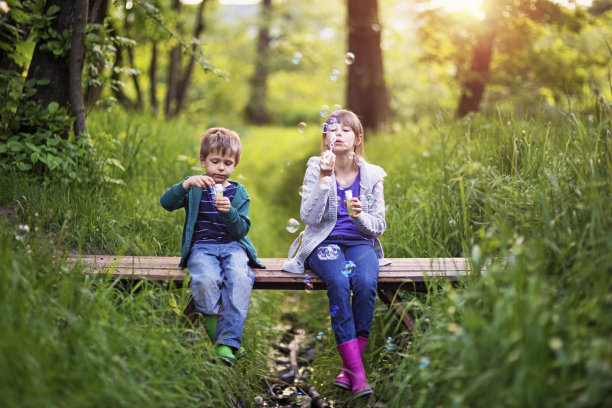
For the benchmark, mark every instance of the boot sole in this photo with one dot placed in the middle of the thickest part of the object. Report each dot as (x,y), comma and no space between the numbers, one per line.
(342,384)
(362,393)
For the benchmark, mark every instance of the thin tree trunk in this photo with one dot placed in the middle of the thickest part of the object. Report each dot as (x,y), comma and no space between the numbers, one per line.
(153,78)
(98,10)
(130,53)
(175,56)
(473,86)
(181,93)
(367,94)
(175,63)
(139,103)
(117,89)
(256,111)
(76,65)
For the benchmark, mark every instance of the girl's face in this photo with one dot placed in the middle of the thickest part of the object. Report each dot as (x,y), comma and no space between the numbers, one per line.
(346,139)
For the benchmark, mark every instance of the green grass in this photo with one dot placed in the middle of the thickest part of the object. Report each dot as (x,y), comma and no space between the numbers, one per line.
(533,331)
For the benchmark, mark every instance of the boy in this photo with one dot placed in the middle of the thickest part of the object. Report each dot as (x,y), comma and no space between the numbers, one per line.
(215,247)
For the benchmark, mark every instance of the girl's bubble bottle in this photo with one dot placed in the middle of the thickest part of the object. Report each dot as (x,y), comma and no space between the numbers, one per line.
(349,205)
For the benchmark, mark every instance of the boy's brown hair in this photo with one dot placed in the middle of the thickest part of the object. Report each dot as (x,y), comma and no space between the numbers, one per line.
(220,140)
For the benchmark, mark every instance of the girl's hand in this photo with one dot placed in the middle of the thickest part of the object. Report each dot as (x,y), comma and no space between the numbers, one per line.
(201,181)
(327,163)
(223,204)
(356,207)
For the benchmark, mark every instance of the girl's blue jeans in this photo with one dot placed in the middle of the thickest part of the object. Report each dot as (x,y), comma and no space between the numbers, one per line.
(349,320)
(221,283)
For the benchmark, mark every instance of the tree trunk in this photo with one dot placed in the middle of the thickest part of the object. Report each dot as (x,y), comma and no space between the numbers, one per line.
(256,111)
(473,85)
(153,78)
(181,93)
(98,10)
(117,89)
(175,63)
(139,102)
(367,94)
(175,60)
(45,65)
(77,50)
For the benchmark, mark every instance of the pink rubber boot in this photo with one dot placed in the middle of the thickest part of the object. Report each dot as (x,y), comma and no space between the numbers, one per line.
(351,357)
(343,380)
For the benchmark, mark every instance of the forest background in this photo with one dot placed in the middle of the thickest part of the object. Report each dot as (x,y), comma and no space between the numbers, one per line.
(493,123)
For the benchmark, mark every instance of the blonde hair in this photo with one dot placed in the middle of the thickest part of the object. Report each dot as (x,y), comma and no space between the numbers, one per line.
(220,140)
(346,118)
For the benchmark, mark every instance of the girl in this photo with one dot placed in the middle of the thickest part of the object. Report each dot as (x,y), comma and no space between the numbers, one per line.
(340,242)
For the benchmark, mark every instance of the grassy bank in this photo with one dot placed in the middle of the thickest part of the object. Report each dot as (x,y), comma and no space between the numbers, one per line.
(533,331)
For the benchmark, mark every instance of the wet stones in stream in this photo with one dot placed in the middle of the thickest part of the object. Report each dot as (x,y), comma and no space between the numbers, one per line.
(288,384)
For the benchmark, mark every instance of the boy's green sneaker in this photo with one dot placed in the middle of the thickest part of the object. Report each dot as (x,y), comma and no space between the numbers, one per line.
(210,326)
(225,354)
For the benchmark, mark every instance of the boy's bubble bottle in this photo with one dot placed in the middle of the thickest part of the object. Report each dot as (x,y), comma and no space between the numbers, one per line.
(218,191)
(349,205)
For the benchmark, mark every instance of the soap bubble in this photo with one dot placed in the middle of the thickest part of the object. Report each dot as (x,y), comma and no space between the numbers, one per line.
(424,362)
(307,279)
(22,232)
(292,225)
(297,58)
(324,110)
(333,251)
(322,253)
(334,74)
(298,398)
(375,27)
(329,252)
(320,335)
(349,267)
(338,201)
(302,127)
(349,58)
(332,120)
(302,190)
(337,107)
(334,310)
(370,197)
(389,343)
(308,287)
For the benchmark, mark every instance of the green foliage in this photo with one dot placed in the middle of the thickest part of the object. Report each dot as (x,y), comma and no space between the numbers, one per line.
(540,48)
(70,339)
(531,196)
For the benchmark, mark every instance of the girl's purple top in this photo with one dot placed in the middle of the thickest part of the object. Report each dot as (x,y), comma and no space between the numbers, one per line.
(344,223)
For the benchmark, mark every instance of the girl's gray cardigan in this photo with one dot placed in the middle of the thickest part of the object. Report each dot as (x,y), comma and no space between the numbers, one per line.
(319,212)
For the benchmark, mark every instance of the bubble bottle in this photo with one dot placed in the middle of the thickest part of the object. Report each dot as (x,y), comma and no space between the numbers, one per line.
(349,205)
(218,191)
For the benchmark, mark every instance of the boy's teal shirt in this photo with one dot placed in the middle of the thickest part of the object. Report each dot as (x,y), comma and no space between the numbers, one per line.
(237,220)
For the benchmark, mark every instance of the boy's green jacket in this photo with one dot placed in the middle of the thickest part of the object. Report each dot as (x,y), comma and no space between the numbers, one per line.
(237,220)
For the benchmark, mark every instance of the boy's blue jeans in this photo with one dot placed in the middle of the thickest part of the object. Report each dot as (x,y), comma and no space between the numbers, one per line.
(349,321)
(221,283)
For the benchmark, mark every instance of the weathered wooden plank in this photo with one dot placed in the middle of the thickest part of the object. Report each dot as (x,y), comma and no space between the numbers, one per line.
(401,270)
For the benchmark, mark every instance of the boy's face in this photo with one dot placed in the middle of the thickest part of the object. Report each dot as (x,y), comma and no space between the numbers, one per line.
(219,167)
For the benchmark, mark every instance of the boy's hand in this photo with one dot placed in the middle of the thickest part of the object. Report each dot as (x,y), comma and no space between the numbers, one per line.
(201,181)
(223,204)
